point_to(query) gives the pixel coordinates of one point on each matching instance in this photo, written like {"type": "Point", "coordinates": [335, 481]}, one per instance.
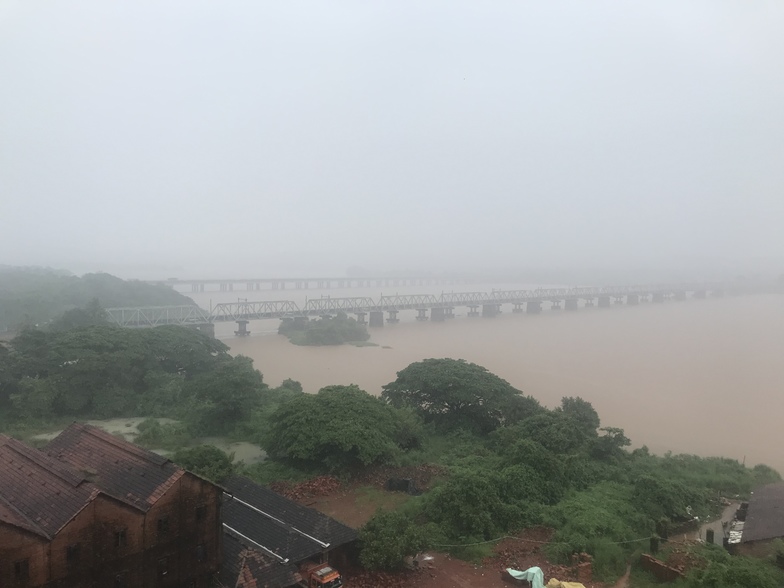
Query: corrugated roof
{"type": "Point", "coordinates": [282, 526]}
{"type": "Point", "coordinates": [121, 469]}
{"type": "Point", "coordinates": [38, 493]}
{"type": "Point", "coordinates": [765, 517]}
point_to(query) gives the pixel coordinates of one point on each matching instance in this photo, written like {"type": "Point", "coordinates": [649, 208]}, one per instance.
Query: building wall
{"type": "Point", "coordinates": [17, 545]}
{"type": "Point", "coordinates": [186, 555]}
{"type": "Point", "coordinates": [755, 548]}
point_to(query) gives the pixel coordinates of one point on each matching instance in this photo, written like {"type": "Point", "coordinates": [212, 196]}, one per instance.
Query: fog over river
{"type": "Point", "coordinates": [700, 376]}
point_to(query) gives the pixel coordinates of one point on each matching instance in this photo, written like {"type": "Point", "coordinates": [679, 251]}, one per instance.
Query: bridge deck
{"type": "Point", "coordinates": [277, 309]}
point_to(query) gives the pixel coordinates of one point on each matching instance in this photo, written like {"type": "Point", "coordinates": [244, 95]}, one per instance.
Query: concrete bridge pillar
{"type": "Point", "coordinates": [392, 317]}
{"type": "Point", "coordinates": [604, 302]}
{"type": "Point", "coordinates": [658, 297]}
{"type": "Point", "coordinates": [533, 306]}
{"type": "Point", "coordinates": [194, 287]}
{"type": "Point", "coordinates": [589, 302]}
{"type": "Point", "coordinates": [361, 317]}
{"type": "Point", "coordinates": [376, 318]}
{"type": "Point", "coordinates": [421, 314]}
{"type": "Point", "coordinates": [556, 305]}
{"type": "Point", "coordinates": [472, 310]}
{"type": "Point", "coordinates": [249, 286]}
{"type": "Point", "coordinates": [570, 304]}
{"type": "Point", "coordinates": [449, 312]}
{"type": "Point", "coordinates": [437, 314]}
{"type": "Point", "coordinates": [518, 307]}
{"type": "Point", "coordinates": [489, 310]}
{"type": "Point", "coordinates": [201, 287]}
{"type": "Point", "coordinates": [633, 299]}
{"type": "Point", "coordinates": [619, 300]}
{"type": "Point", "coordinates": [242, 328]}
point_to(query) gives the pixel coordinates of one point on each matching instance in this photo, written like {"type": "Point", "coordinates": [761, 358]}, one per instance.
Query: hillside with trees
{"type": "Point", "coordinates": [32, 296]}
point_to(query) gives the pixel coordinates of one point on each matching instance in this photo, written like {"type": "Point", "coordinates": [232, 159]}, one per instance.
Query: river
{"type": "Point", "coordinates": [700, 376]}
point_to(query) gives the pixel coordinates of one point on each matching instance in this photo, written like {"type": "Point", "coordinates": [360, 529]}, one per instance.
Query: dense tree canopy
{"type": "Point", "coordinates": [31, 296]}
{"type": "Point", "coordinates": [341, 426]}
{"type": "Point", "coordinates": [327, 330]}
{"type": "Point", "coordinates": [104, 371]}
{"type": "Point", "coordinates": [205, 460]}
{"type": "Point", "coordinates": [458, 394]}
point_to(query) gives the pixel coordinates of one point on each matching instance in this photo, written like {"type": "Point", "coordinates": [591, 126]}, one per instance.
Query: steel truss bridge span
{"type": "Point", "coordinates": [439, 305]}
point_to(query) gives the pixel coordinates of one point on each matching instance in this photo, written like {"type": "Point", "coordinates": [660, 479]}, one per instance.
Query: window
{"type": "Point", "coordinates": [163, 567]}
{"type": "Point", "coordinates": [72, 554]}
{"type": "Point", "coordinates": [201, 553]}
{"type": "Point", "coordinates": [163, 526]}
{"type": "Point", "coordinates": [121, 580]}
{"type": "Point", "coordinates": [120, 538]}
{"type": "Point", "coordinates": [201, 513]}
{"type": "Point", "coordinates": [22, 571]}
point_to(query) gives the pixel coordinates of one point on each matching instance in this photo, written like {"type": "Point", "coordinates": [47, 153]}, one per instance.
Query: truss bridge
{"type": "Point", "coordinates": [427, 306]}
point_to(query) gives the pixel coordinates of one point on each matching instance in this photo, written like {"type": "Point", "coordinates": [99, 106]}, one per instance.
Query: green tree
{"type": "Point", "coordinates": [453, 393]}
{"type": "Point", "coordinates": [340, 427]}
{"type": "Point", "coordinates": [388, 538]}
{"type": "Point", "coordinates": [468, 506]}
{"type": "Point", "coordinates": [225, 395]}
{"type": "Point", "coordinates": [582, 413]}
{"type": "Point", "coordinates": [207, 461]}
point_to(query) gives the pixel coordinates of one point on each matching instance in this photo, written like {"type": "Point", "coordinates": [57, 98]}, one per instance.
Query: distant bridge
{"type": "Point", "coordinates": [440, 307]}
{"type": "Point", "coordinates": [250, 284]}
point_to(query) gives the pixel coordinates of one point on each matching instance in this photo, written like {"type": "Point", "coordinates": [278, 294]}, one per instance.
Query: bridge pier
{"type": "Point", "coordinates": [489, 310]}
{"type": "Point", "coordinates": [472, 310]}
{"type": "Point", "coordinates": [518, 307]}
{"type": "Point", "coordinates": [588, 302]}
{"type": "Point", "coordinates": [449, 312]}
{"type": "Point", "coordinates": [392, 317]}
{"type": "Point", "coordinates": [437, 314]}
{"type": "Point", "coordinates": [633, 299]}
{"type": "Point", "coordinates": [604, 302]}
{"type": "Point", "coordinates": [421, 314]}
{"type": "Point", "coordinates": [570, 304]}
{"type": "Point", "coordinates": [533, 307]}
{"type": "Point", "coordinates": [658, 297]}
{"type": "Point", "coordinates": [619, 300]}
{"type": "Point", "coordinates": [242, 330]}
{"type": "Point", "coordinates": [376, 318]}
{"type": "Point", "coordinates": [361, 317]}
{"type": "Point", "coordinates": [556, 305]}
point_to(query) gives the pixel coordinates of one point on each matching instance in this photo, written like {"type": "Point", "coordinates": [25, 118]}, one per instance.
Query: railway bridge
{"type": "Point", "coordinates": [427, 306]}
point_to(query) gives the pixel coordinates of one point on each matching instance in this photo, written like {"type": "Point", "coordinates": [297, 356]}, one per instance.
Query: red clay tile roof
{"type": "Point", "coordinates": [118, 468]}
{"type": "Point", "coordinates": [38, 493]}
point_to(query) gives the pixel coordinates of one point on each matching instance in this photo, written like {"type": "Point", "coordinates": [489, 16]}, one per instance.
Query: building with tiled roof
{"type": "Point", "coordinates": [764, 520]}
{"type": "Point", "coordinates": [94, 510]}
{"type": "Point", "coordinates": [267, 536]}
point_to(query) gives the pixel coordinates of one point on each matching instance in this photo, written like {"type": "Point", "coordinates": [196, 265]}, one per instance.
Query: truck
{"type": "Point", "coordinates": [319, 575]}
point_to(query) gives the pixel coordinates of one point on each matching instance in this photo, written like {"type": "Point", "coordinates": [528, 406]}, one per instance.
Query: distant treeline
{"type": "Point", "coordinates": [34, 296]}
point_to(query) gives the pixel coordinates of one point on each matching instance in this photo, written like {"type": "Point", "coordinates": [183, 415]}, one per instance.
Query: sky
{"type": "Point", "coordinates": [196, 139]}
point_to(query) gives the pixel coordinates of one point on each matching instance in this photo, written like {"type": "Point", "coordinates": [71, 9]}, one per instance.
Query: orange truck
{"type": "Point", "coordinates": [320, 576]}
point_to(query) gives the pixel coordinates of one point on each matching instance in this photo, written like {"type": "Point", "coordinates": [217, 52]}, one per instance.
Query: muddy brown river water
{"type": "Point", "coordinates": [700, 376]}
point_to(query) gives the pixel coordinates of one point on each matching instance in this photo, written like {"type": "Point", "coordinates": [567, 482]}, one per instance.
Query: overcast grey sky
{"type": "Point", "coordinates": [190, 138]}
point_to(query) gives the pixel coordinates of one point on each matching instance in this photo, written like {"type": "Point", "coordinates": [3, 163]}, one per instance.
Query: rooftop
{"type": "Point", "coordinates": [278, 525]}
{"type": "Point", "coordinates": [765, 518]}
{"type": "Point", "coordinates": [119, 468]}
{"type": "Point", "coordinates": [38, 493]}
{"type": "Point", "coordinates": [41, 491]}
